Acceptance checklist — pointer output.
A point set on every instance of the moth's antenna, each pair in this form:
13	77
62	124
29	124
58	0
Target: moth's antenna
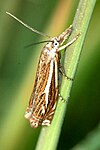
30	28
37	43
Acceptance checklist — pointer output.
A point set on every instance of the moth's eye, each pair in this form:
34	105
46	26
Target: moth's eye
56	43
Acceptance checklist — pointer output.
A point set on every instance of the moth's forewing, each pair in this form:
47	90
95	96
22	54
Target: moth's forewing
45	92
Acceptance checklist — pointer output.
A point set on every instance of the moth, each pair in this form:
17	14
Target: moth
44	96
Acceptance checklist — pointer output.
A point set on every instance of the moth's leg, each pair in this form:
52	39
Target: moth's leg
61	98
68	78
64	47
63	73
69	43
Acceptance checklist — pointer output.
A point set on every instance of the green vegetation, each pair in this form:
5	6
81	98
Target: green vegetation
18	68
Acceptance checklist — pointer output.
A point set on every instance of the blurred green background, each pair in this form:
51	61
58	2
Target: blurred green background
18	68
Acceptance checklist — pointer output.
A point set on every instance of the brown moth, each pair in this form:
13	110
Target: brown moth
44	96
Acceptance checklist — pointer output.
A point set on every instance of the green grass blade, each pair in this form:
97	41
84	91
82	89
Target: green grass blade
91	142
49	135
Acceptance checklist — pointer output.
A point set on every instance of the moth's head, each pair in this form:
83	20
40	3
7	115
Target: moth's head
64	35
60	39
55	42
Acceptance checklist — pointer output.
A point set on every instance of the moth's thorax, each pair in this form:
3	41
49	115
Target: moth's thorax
51	48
